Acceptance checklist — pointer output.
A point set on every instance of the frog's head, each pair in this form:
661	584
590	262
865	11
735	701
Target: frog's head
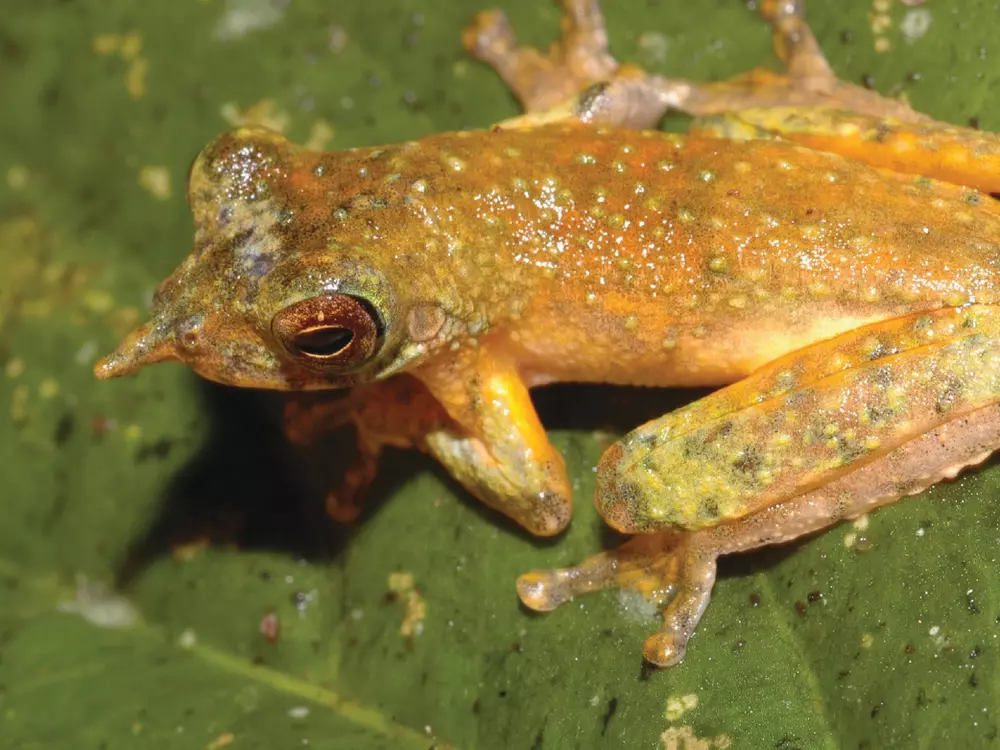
268	298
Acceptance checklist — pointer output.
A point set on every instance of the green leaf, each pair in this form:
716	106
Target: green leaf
187	495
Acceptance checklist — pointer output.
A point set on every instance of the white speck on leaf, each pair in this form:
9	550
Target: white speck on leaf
243	16
635	607
188	639
915	24
99	606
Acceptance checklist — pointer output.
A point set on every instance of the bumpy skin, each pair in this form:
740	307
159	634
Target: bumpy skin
484	263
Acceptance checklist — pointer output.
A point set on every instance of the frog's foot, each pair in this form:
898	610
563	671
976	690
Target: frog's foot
667	568
807	81
542	81
578	79
794	43
398	412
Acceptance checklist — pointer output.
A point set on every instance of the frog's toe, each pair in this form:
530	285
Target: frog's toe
544	590
553	512
344	509
490	39
667	646
664	649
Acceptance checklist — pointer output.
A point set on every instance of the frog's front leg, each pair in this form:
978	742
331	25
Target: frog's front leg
397	412
496	446
829	432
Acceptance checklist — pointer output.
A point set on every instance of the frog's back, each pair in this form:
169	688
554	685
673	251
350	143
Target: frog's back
672	212
760	245
724	253
664	214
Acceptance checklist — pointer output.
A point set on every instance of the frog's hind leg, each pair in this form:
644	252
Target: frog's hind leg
679	568
580	80
822	434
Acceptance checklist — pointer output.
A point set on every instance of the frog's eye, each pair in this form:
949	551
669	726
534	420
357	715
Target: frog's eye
332	330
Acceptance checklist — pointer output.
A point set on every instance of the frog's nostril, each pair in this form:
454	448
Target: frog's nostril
189	333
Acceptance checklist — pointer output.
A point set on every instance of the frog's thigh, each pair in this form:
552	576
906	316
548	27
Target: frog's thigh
801	421
680	566
497	447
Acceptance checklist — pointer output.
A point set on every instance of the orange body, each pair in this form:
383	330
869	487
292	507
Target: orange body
842	267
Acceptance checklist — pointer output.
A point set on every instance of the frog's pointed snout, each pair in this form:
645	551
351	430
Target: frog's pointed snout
146	345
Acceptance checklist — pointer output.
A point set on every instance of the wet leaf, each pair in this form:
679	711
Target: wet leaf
252	621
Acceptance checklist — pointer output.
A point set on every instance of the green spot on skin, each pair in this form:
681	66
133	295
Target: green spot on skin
718	265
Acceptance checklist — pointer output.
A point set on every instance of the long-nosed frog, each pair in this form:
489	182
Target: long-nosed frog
844	277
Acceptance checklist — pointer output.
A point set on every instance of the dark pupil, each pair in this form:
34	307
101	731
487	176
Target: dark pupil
323	342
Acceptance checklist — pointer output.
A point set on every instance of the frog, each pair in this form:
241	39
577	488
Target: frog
826	257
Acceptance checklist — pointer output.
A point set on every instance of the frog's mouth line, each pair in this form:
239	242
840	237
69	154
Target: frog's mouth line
146	345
